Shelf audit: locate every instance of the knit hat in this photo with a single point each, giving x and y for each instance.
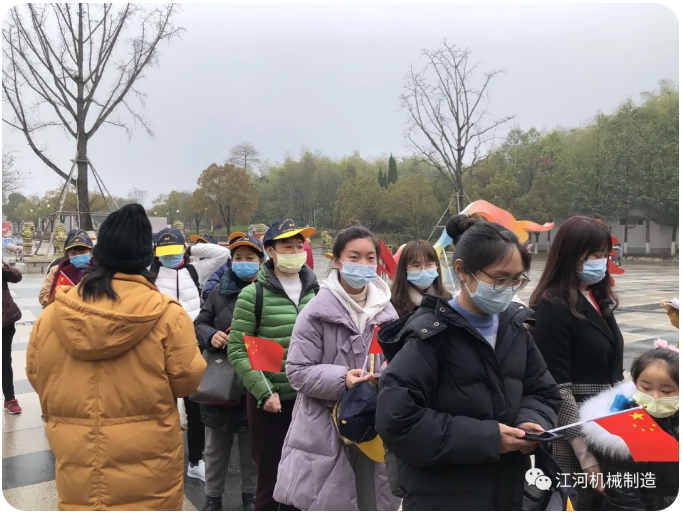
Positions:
(124, 241)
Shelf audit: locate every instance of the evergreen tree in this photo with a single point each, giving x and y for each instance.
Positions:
(381, 178)
(393, 171)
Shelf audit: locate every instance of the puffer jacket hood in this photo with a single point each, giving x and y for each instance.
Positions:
(599, 406)
(80, 326)
(427, 322)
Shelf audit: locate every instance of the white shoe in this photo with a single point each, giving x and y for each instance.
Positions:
(197, 472)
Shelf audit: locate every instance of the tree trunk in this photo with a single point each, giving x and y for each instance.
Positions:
(82, 140)
(82, 185)
(647, 236)
(626, 237)
(538, 235)
(673, 239)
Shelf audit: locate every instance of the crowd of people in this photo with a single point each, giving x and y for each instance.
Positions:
(441, 419)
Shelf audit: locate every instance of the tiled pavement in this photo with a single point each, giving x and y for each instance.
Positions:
(28, 464)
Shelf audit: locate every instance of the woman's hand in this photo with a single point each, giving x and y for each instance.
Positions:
(273, 404)
(219, 340)
(356, 376)
(511, 439)
(374, 379)
(596, 473)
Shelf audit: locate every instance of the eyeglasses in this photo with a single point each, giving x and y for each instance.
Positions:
(417, 268)
(502, 283)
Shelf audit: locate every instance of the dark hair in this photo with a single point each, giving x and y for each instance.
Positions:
(353, 231)
(272, 243)
(578, 236)
(417, 250)
(97, 279)
(669, 357)
(479, 243)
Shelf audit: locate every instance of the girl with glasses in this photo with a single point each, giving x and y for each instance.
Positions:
(465, 382)
(417, 273)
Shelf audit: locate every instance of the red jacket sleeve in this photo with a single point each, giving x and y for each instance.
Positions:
(309, 255)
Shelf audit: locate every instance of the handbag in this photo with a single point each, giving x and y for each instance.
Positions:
(221, 386)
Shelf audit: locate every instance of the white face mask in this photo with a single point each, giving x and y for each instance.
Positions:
(658, 408)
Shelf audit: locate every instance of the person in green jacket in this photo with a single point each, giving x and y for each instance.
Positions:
(287, 285)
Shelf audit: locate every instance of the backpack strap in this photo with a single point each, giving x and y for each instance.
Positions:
(258, 308)
(195, 278)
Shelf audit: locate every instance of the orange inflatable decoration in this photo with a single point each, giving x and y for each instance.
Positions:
(495, 214)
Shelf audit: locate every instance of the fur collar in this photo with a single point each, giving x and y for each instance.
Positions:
(597, 437)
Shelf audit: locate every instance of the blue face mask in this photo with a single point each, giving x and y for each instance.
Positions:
(489, 300)
(357, 276)
(594, 271)
(172, 261)
(80, 261)
(245, 270)
(424, 278)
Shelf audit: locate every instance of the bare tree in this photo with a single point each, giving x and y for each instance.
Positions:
(137, 196)
(69, 64)
(243, 155)
(449, 123)
(11, 178)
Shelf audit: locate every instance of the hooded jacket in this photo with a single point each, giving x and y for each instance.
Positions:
(277, 322)
(441, 400)
(315, 473)
(616, 460)
(178, 283)
(108, 375)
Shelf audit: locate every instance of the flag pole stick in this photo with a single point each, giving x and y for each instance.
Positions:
(569, 426)
(268, 386)
(365, 363)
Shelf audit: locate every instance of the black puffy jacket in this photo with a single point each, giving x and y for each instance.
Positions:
(442, 397)
(216, 315)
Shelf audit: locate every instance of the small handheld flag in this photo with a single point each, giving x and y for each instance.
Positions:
(643, 436)
(264, 355)
(63, 280)
(374, 346)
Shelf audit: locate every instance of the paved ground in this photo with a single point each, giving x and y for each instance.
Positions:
(28, 464)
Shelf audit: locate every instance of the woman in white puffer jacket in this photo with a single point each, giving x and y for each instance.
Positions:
(179, 279)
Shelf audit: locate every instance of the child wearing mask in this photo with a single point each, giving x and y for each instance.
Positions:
(284, 287)
(654, 386)
(78, 250)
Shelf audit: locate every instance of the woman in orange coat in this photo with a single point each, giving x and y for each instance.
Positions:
(108, 359)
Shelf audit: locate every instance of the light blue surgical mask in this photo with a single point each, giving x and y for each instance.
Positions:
(423, 279)
(489, 300)
(594, 271)
(172, 261)
(80, 261)
(357, 276)
(245, 270)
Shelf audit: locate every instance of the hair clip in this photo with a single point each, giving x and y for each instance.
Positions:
(663, 344)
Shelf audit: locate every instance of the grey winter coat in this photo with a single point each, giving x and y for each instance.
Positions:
(315, 473)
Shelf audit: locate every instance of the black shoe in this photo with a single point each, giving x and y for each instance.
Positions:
(249, 502)
(213, 504)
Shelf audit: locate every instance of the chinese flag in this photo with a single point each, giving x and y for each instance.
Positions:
(264, 355)
(643, 436)
(389, 264)
(63, 280)
(374, 346)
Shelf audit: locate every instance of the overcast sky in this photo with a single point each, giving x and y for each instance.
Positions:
(328, 77)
